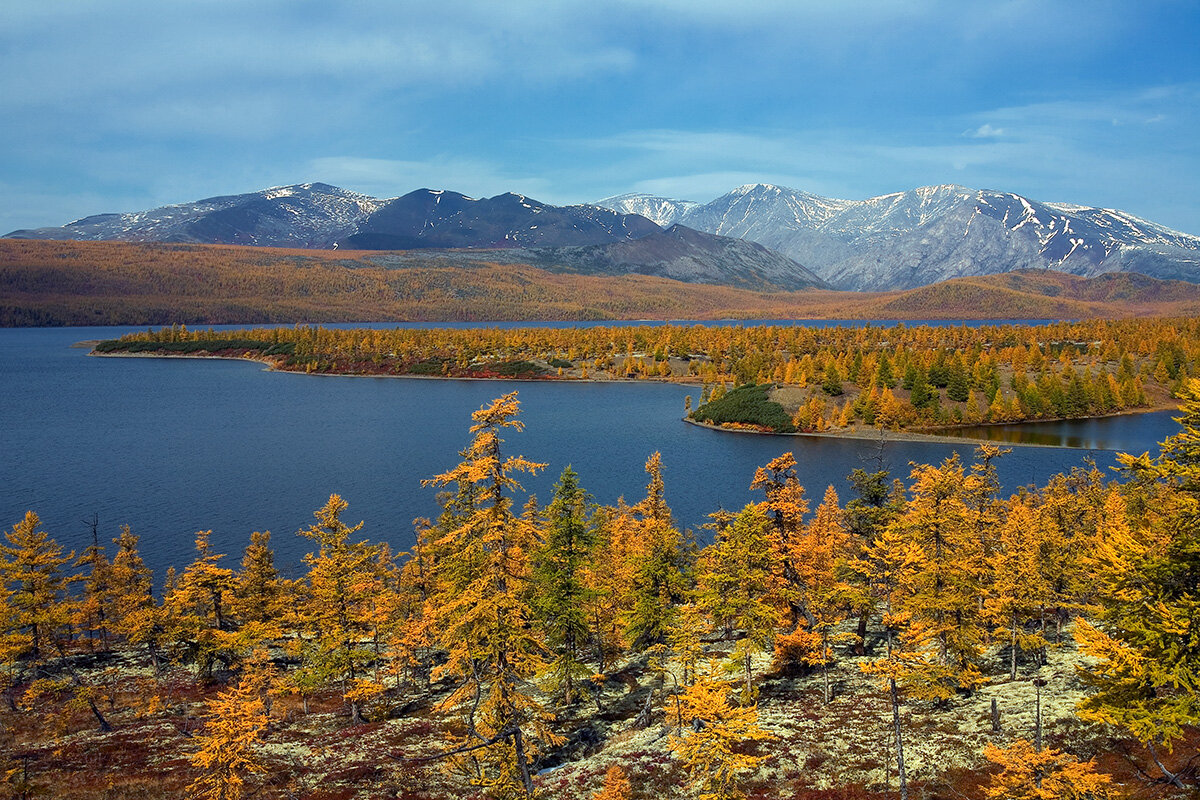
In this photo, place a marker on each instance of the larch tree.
(711, 753)
(93, 615)
(136, 616)
(943, 606)
(616, 785)
(228, 748)
(1018, 588)
(259, 594)
(786, 506)
(196, 609)
(657, 567)
(337, 610)
(31, 566)
(734, 583)
(1027, 773)
(1147, 677)
(877, 500)
(891, 564)
(485, 620)
(825, 550)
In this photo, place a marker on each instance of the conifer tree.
(228, 749)
(616, 785)
(196, 608)
(1018, 588)
(734, 583)
(943, 605)
(786, 506)
(31, 566)
(342, 586)
(892, 562)
(710, 753)
(136, 617)
(93, 616)
(258, 592)
(560, 595)
(826, 550)
(484, 618)
(609, 580)
(1148, 671)
(657, 567)
(1030, 774)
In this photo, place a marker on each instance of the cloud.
(985, 131)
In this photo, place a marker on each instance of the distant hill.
(98, 283)
(309, 215)
(441, 219)
(931, 234)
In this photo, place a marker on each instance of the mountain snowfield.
(895, 241)
(922, 236)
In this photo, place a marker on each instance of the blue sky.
(122, 105)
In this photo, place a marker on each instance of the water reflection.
(1126, 433)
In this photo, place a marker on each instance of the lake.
(173, 446)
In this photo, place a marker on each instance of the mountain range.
(757, 236)
(930, 234)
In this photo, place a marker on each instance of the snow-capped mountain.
(454, 229)
(895, 241)
(308, 215)
(663, 211)
(922, 236)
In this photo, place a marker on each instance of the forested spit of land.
(815, 648)
(778, 378)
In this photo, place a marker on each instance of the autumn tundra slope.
(99, 283)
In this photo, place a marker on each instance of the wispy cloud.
(985, 131)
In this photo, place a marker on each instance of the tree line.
(507, 616)
(837, 377)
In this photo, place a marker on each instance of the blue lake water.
(173, 446)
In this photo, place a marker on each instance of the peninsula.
(772, 378)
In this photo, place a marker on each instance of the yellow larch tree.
(712, 753)
(196, 609)
(1018, 586)
(1146, 679)
(1029, 774)
(616, 785)
(228, 747)
(943, 607)
(484, 617)
(786, 506)
(337, 612)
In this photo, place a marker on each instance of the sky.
(125, 105)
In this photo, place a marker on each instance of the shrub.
(746, 405)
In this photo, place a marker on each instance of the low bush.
(746, 405)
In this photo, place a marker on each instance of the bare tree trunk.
(825, 665)
(519, 748)
(749, 680)
(899, 739)
(1171, 777)
(1012, 660)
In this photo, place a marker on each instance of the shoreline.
(860, 434)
